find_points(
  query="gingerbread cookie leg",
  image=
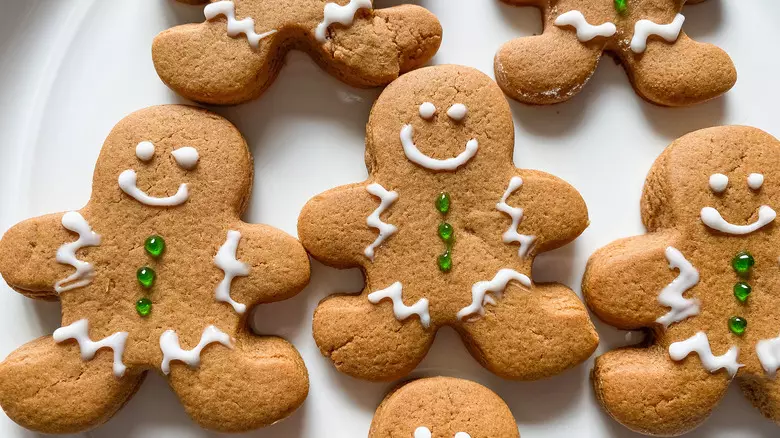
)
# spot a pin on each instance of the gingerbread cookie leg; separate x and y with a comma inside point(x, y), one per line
point(764, 393)
point(48, 387)
point(647, 392)
point(681, 74)
point(260, 381)
point(545, 69)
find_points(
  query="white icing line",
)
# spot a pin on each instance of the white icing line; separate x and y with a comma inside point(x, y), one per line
point(712, 218)
point(672, 294)
point(227, 262)
point(171, 350)
point(186, 157)
point(480, 290)
point(422, 432)
point(462, 435)
point(755, 181)
point(644, 28)
point(66, 254)
point(450, 164)
point(457, 112)
point(335, 13)
point(128, 180)
point(79, 331)
point(516, 213)
point(402, 311)
point(700, 344)
point(236, 27)
point(768, 352)
point(427, 110)
point(718, 182)
point(144, 150)
point(386, 230)
point(585, 30)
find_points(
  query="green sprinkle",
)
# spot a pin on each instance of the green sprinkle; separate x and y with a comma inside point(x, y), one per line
point(737, 325)
point(443, 203)
point(742, 291)
point(446, 231)
point(143, 306)
point(743, 262)
point(445, 262)
point(621, 6)
point(154, 245)
point(145, 276)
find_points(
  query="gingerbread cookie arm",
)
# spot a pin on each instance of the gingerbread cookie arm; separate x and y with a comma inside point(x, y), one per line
point(47, 387)
point(333, 226)
point(258, 382)
point(648, 393)
point(625, 281)
point(548, 320)
point(28, 256)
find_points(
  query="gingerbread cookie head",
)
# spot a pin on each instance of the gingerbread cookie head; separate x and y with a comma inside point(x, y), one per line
point(665, 66)
point(446, 230)
point(705, 280)
point(443, 407)
point(237, 53)
point(157, 272)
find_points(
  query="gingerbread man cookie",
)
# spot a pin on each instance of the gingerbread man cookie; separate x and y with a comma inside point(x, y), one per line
point(446, 230)
point(443, 407)
point(157, 272)
point(705, 281)
point(237, 53)
point(665, 66)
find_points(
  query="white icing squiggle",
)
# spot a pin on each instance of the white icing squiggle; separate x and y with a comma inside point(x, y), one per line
point(644, 28)
point(712, 218)
point(672, 294)
point(402, 311)
point(128, 180)
point(516, 213)
point(585, 30)
point(768, 352)
point(755, 181)
point(171, 350)
point(79, 331)
point(450, 164)
point(335, 13)
point(186, 157)
point(386, 230)
point(496, 286)
point(226, 260)
point(236, 27)
point(700, 344)
point(66, 254)
point(718, 182)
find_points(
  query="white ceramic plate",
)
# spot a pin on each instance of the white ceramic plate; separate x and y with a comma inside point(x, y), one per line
point(70, 70)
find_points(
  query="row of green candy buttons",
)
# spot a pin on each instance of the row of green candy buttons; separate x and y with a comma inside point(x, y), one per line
point(446, 232)
point(742, 263)
point(154, 246)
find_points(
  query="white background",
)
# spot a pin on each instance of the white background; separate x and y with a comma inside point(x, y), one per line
point(70, 70)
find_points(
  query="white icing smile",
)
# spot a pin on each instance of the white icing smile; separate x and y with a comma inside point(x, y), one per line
point(128, 180)
point(450, 164)
point(712, 218)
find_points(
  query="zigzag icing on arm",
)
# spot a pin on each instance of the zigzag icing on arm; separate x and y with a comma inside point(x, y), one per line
point(700, 344)
point(585, 30)
point(66, 254)
point(672, 294)
point(516, 213)
point(402, 311)
point(496, 286)
point(79, 331)
point(386, 230)
point(227, 262)
point(236, 27)
point(768, 352)
point(171, 350)
point(335, 13)
point(644, 28)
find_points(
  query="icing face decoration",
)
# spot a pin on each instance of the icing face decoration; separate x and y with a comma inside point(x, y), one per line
point(186, 157)
point(457, 113)
point(424, 432)
point(713, 219)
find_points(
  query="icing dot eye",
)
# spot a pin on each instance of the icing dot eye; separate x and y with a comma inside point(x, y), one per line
point(186, 157)
point(427, 110)
point(755, 181)
point(422, 432)
point(457, 112)
point(718, 182)
point(144, 150)
point(462, 435)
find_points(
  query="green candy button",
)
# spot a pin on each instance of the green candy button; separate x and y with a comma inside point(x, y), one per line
point(143, 306)
point(737, 325)
point(145, 276)
point(154, 245)
point(621, 6)
point(443, 203)
point(742, 291)
point(743, 262)
point(445, 262)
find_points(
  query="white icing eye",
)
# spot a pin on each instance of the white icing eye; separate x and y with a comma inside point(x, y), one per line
point(457, 112)
point(755, 181)
point(719, 182)
point(462, 435)
point(422, 432)
point(186, 157)
point(144, 151)
point(427, 110)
